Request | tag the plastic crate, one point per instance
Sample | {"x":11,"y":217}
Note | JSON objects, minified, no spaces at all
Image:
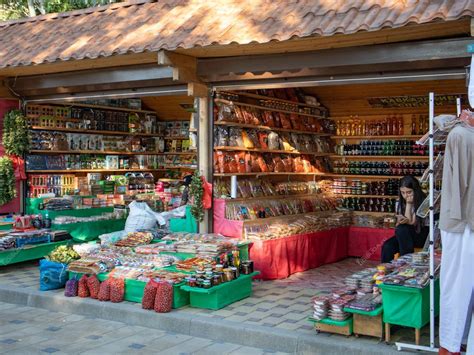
{"x":21,"y":242}
{"x":218,"y":297}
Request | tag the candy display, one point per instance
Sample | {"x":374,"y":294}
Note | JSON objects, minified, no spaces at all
{"x":385,"y":147}
{"x":134,"y":239}
{"x":273,"y":208}
{"x":379,"y":168}
{"x":368,"y":204}
{"x":358,"y":187}
{"x":118,"y":214}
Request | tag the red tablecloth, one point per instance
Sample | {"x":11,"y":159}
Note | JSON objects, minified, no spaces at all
{"x":366,"y":242}
{"x":279,"y":258}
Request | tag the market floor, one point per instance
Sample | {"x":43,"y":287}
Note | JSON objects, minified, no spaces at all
{"x":27,"y":330}
{"x":283,"y":305}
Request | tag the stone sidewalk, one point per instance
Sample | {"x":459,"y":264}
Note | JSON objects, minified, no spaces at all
{"x":28,"y":330}
{"x":274,"y":317}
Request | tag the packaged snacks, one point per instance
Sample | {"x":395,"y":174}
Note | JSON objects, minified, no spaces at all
{"x":226,"y":113}
{"x":248,"y":143}
{"x":279,"y":166}
{"x":221,"y":136}
{"x":273,"y":141}
{"x":235,"y":137}
{"x":263,"y":139}
{"x":149,"y":295}
{"x":93,"y":284}
{"x":71,"y":287}
{"x":104,"y":291}
{"x":164,"y":297}
{"x":285,"y":120}
{"x":267,"y":119}
{"x":240,"y":160}
{"x":261,"y":163}
{"x":83,"y":289}
{"x":117,"y":290}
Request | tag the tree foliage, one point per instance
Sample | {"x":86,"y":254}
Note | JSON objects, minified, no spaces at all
{"x":15,"y":9}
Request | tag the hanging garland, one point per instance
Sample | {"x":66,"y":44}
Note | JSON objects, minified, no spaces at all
{"x":7,"y":181}
{"x":196,"y":191}
{"x":16,"y":135}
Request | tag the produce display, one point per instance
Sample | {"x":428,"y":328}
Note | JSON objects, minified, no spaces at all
{"x":63,"y":254}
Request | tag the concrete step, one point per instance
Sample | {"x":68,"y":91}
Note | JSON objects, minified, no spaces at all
{"x":195,"y":325}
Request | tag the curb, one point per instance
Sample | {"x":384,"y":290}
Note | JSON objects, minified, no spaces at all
{"x":194,"y":325}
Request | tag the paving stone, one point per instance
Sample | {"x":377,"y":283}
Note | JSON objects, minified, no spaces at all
{"x":217,"y":348}
{"x":50,"y":350}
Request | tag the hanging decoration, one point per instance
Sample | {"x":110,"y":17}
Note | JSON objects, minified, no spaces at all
{"x":16,"y":135}
{"x":7,"y":181}
{"x":196,"y":191}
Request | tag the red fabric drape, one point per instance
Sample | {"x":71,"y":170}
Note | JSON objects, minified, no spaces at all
{"x":367,"y":242}
{"x":279,"y":258}
{"x":232,"y":229}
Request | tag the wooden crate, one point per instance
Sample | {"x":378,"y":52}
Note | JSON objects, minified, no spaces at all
{"x":334,"y":327}
{"x":367,"y":325}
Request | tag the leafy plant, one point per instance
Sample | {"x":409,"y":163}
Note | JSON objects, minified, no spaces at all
{"x":16,"y":135}
{"x":7,"y":181}
{"x":196,"y":191}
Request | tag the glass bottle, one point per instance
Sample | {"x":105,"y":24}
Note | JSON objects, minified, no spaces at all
{"x":394,"y":126}
{"x":389,"y":127}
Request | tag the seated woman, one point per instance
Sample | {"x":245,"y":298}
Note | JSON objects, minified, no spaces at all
{"x":410,"y":232}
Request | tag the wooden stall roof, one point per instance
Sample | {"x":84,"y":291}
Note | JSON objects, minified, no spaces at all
{"x":135,"y":29}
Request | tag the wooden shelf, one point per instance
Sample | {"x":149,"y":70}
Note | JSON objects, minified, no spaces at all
{"x":264,"y":108}
{"x":367,"y":196}
{"x":268,"y":174}
{"x":381,"y":157}
{"x":98,"y":107}
{"x":286,"y":216}
{"x":82,"y":131}
{"x":373,"y":213}
{"x":274,"y":197}
{"x":176,"y":138}
{"x":268,"y":128}
{"x":379,"y":138}
{"x":371,"y":177}
{"x":102,"y":152}
{"x":259,"y":150}
{"x":65,"y":171}
{"x":256,"y":96}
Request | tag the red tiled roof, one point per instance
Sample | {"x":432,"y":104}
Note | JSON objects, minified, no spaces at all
{"x":140,"y":26}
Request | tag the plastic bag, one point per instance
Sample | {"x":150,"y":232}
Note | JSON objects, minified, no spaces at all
{"x":93,"y":284}
{"x":226,"y":113}
{"x":104,"y":291}
{"x":70,"y":289}
{"x":273,"y":141}
{"x":149,"y":295}
{"x":235,"y":137}
{"x":207,"y":195}
{"x":52,"y":275}
{"x":285,"y":120}
{"x":240,"y":159}
{"x":141,"y":217}
{"x":117,"y":289}
{"x":164,"y":297}
{"x":248,"y":143}
{"x":222,"y":136}
{"x":83,"y":289}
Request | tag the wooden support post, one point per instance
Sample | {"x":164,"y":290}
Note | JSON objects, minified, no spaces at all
{"x":204,"y":144}
{"x":417,"y":336}
{"x":387,"y":332}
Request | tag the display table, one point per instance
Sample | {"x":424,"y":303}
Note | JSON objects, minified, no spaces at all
{"x":279,"y":258}
{"x":367,"y":242}
{"x":327,"y":325}
{"x":30,"y":252}
{"x":87,"y":231}
{"x":408,"y":307}
{"x":186,"y":224}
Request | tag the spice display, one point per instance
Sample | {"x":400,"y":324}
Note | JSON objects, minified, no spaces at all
{"x":379,"y":168}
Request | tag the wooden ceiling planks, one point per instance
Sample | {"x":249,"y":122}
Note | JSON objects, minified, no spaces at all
{"x":168,"y":107}
{"x":346,"y":100}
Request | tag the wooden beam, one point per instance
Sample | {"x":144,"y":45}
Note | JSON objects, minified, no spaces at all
{"x":197,"y":90}
{"x":5,"y":93}
{"x":184,"y":66}
{"x":204,"y":163}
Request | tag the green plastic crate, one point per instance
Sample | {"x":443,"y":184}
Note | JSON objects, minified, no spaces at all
{"x":29,"y":252}
{"x":134,"y":290}
{"x":218,"y":297}
{"x":408,"y":306}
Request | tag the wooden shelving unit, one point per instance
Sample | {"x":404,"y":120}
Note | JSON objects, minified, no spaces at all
{"x":106,"y":133}
{"x":379,"y":138}
{"x":98,"y":107}
{"x":262,"y":97}
{"x":268,"y":128}
{"x":380,"y":157}
{"x":274,"y":197}
{"x":371,"y":177}
{"x":259,"y":150}
{"x":367,"y":196}
{"x":267,"y":174}
{"x":105,"y":152}
{"x":285,"y":217}
{"x":264,"y":108}
{"x":65,"y":171}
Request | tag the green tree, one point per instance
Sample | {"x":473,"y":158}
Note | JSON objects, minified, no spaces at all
{"x":15,"y":9}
